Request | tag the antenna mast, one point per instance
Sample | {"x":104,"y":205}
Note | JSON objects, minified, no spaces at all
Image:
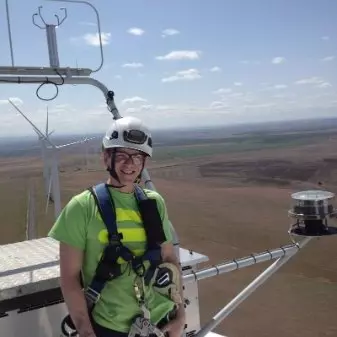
{"x":9,"y":33}
{"x":54,"y":74}
{"x":51,"y":36}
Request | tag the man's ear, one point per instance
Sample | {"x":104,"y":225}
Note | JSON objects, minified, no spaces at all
{"x":106,"y":155}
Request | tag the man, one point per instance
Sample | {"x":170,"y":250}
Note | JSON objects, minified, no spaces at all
{"x":83,"y":236}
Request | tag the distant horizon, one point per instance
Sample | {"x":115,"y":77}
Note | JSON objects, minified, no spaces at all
{"x":190,"y":127}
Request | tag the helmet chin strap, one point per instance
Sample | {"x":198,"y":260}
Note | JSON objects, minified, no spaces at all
{"x":139,"y":177}
{"x":112,"y":170}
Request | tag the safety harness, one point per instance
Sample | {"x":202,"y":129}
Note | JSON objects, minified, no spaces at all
{"x":108,"y":268}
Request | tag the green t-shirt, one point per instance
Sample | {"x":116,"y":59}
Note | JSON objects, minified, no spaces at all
{"x":80,"y":225}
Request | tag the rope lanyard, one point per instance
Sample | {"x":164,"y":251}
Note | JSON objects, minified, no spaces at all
{"x":141,"y":296}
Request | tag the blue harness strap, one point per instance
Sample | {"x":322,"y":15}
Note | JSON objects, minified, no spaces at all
{"x":108,"y":214}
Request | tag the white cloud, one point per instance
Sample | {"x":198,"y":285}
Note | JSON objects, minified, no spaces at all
{"x":217,"y":105}
{"x":15,"y":100}
{"x":87,"y":23}
{"x":238,"y":84}
{"x":181,"y":55}
{"x":170,"y":32}
{"x":133,"y":65}
{"x":183,"y":75}
{"x":222,"y":91}
{"x":278,"y":96}
{"x":118,"y":77}
{"x":136,"y":31}
{"x":311,"y":80}
{"x":250,"y":62}
{"x":328,"y":58}
{"x":146,"y":107}
{"x":93,"y":39}
{"x":259,"y":106}
{"x":215,"y":69}
{"x":235,"y":94}
{"x":280,"y":86}
{"x":278,"y":60}
{"x":324,"y":85}
{"x":181,"y":109}
{"x":132,"y":100}
{"x":63,"y":106}
{"x":325,"y":38}
{"x":131,"y":110}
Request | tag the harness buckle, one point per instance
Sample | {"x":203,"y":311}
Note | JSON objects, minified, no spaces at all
{"x":92,"y":295}
{"x":138,"y":266}
{"x":115,"y":238}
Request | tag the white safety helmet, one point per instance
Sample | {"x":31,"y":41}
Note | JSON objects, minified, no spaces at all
{"x":129,"y":132}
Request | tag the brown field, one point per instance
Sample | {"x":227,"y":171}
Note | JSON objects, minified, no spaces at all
{"x":224,"y":206}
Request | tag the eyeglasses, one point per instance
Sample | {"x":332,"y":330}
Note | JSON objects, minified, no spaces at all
{"x":123,"y":157}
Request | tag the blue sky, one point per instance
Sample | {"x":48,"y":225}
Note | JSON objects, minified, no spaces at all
{"x":178,"y":63}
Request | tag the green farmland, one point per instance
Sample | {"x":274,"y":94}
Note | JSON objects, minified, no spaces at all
{"x":237,"y":144}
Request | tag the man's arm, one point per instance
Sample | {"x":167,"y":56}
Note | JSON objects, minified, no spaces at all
{"x":70,"y":230}
{"x":169,"y":255}
{"x":70,"y":268}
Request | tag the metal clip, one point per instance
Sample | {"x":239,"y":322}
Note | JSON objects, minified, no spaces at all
{"x":144,"y":328}
{"x":92,"y":295}
{"x":146,"y":312}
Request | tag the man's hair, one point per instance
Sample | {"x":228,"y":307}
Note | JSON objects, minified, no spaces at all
{"x":107,"y":150}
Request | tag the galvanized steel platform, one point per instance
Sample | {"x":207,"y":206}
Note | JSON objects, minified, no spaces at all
{"x":30,"y":294}
{"x":32,"y":266}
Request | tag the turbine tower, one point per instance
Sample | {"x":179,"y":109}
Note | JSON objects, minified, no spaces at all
{"x":31,"y":218}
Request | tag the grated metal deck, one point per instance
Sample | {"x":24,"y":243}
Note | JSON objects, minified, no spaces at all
{"x":21,"y":260}
{"x":31,"y":266}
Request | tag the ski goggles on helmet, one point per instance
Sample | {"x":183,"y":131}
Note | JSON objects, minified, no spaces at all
{"x":136,"y":137}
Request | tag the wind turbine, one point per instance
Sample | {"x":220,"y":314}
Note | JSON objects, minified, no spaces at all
{"x":44,"y":154}
{"x":31,"y":219}
{"x":43,"y":146}
{"x":86,"y":141}
{"x":53,"y":182}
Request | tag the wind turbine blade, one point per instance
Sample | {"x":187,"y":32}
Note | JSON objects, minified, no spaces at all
{"x":72,"y":143}
{"x":28,"y":214}
{"x":31,"y":225}
{"x":47,"y":122}
{"x":86,"y":145}
{"x":49,"y":192}
{"x":36,"y":129}
{"x":56,"y":187}
{"x":33,"y":216}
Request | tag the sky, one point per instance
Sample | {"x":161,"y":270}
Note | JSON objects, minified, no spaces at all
{"x":176,"y":63}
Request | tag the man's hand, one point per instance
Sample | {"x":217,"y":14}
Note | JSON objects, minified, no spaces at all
{"x":175,"y":327}
{"x":70,"y":268}
{"x":89,"y":334}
